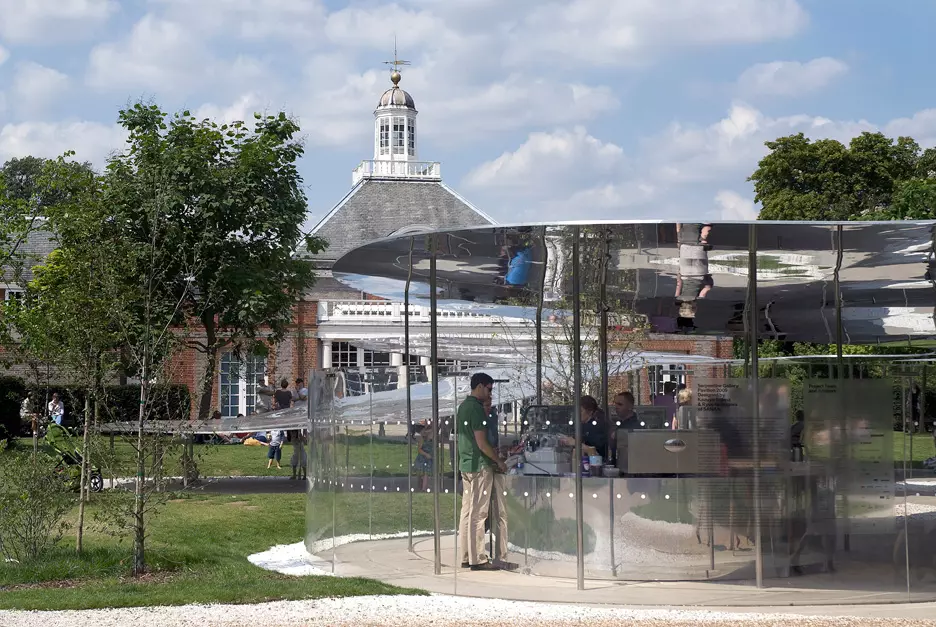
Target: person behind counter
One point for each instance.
(595, 430)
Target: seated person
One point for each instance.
(595, 429)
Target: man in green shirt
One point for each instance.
(477, 462)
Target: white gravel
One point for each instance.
(390, 611)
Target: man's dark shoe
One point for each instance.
(484, 566)
(466, 565)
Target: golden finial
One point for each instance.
(397, 63)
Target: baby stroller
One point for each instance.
(62, 442)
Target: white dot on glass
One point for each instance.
(549, 495)
(643, 496)
(428, 490)
(666, 497)
(570, 422)
(412, 489)
(594, 496)
(619, 496)
(571, 495)
(665, 424)
(385, 488)
(362, 486)
(619, 423)
(398, 489)
(524, 494)
(446, 490)
(526, 422)
(594, 422)
(484, 423)
(466, 423)
(643, 424)
(505, 493)
(547, 423)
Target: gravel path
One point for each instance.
(387, 611)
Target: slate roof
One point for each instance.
(377, 208)
(33, 252)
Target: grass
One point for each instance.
(357, 453)
(197, 552)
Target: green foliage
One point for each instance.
(873, 177)
(34, 501)
(235, 204)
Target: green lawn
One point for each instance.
(357, 454)
(197, 550)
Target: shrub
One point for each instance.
(34, 501)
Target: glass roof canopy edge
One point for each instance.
(885, 277)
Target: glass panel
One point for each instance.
(399, 131)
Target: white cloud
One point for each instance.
(597, 32)
(733, 206)
(251, 20)
(169, 58)
(4, 55)
(547, 161)
(91, 141)
(36, 86)
(52, 20)
(921, 126)
(789, 78)
(241, 110)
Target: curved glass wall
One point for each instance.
(778, 375)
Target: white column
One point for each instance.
(396, 360)
(424, 363)
(326, 354)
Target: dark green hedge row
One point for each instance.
(120, 403)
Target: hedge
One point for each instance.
(120, 403)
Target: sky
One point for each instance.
(538, 110)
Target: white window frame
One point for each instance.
(398, 135)
(411, 137)
(383, 135)
(237, 390)
(13, 293)
(345, 355)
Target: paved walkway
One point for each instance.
(869, 594)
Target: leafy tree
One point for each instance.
(234, 197)
(873, 177)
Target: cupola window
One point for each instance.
(411, 138)
(399, 130)
(384, 136)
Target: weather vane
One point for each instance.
(397, 63)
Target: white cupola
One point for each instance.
(395, 124)
(395, 153)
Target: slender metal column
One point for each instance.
(904, 383)
(409, 401)
(603, 366)
(840, 372)
(539, 320)
(577, 411)
(755, 393)
(436, 431)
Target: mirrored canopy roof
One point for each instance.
(677, 277)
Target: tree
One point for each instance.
(236, 198)
(873, 177)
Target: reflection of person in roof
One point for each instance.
(518, 270)
(694, 281)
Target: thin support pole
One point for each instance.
(577, 411)
(840, 368)
(409, 401)
(906, 530)
(539, 319)
(603, 368)
(434, 367)
(755, 401)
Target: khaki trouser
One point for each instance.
(498, 515)
(476, 501)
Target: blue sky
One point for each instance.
(537, 110)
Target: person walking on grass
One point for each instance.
(477, 461)
(275, 452)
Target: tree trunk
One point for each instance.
(139, 528)
(83, 486)
(211, 354)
